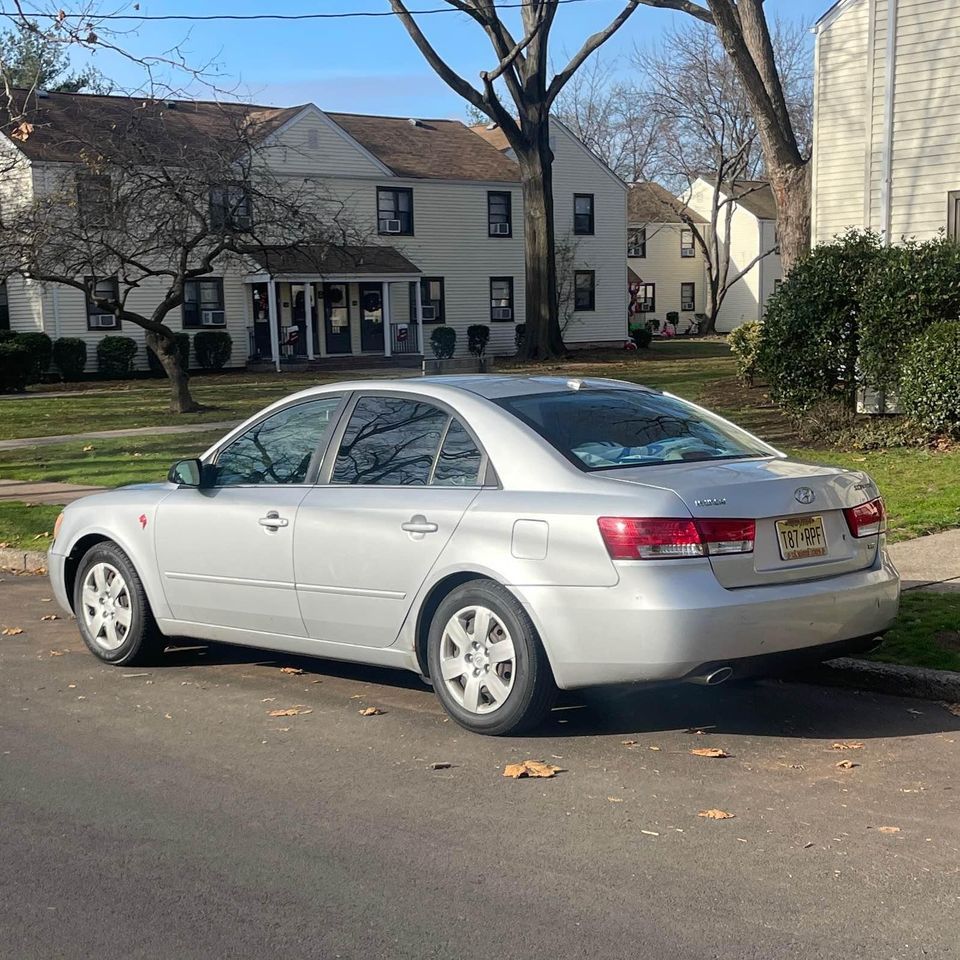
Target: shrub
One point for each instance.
(15, 360)
(520, 337)
(183, 349)
(641, 335)
(70, 356)
(41, 352)
(212, 348)
(809, 339)
(443, 341)
(744, 344)
(115, 356)
(930, 379)
(478, 335)
(6, 335)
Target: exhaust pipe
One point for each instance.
(714, 677)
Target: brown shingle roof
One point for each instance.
(334, 261)
(493, 134)
(650, 203)
(428, 149)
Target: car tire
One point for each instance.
(486, 662)
(112, 609)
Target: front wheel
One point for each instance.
(486, 661)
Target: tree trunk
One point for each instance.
(711, 311)
(544, 340)
(791, 187)
(164, 345)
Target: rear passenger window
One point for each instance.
(459, 462)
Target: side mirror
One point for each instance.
(186, 473)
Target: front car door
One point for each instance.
(391, 494)
(225, 551)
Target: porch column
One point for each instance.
(308, 317)
(385, 314)
(274, 322)
(418, 301)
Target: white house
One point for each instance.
(886, 135)
(441, 205)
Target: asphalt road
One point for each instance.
(164, 814)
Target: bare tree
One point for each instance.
(152, 197)
(522, 67)
(742, 28)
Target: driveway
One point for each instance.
(162, 813)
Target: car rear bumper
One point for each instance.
(672, 620)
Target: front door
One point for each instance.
(366, 540)
(225, 552)
(336, 318)
(371, 317)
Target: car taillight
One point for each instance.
(867, 519)
(655, 538)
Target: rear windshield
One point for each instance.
(606, 429)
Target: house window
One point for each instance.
(501, 298)
(100, 318)
(4, 307)
(499, 214)
(647, 298)
(230, 207)
(395, 210)
(688, 296)
(431, 299)
(953, 215)
(687, 248)
(93, 197)
(203, 303)
(637, 243)
(584, 290)
(583, 214)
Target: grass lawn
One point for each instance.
(926, 634)
(26, 526)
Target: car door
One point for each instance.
(225, 551)
(392, 492)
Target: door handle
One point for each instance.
(419, 524)
(273, 521)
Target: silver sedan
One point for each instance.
(503, 537)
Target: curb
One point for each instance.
(920, 682)
(23, 561)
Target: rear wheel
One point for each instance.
(112, 610)
(486, 661)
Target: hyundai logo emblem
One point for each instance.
(804, 495)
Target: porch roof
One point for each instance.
(375, 260)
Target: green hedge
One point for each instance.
(930, 379)
(212, 348)
(70, 356)
(115, 356)
(478, 336)
(15, 362)
(443, 341)
(183, 349)
(41, 353)
(744, 344)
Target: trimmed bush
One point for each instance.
(115, 356)
(478, 336)
(15, 361)
(744, 344)
(6, 335)
(183, 348)
(520, 337)
(930, 379)
(443, 341)
(70, 356)
(212, 348)
(41, 352)
(641, 335)
(809, 339)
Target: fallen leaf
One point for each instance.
(42, 599)
(56, 653)
(11, 631)
(531, 768)
(71, 686)
(268, 699)
(49, 616)
(615, 799)
(440, 765)
(808, 845)
(846, 746)
(715, 752)
(953, 708)
(87, 448)
(699, 731)
(716, 815)
(296, 671)
(372, 712)
(167, 716)
(650, 833)
(888, 829)
(357, 696)
(847, 764)
(289, 712)
(653, 748)
(629, 743)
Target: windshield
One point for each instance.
(609, 428)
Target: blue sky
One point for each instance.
(367, 65)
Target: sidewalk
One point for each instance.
(29, 491)
(929, 563)
(22, 443)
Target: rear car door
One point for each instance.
(225, 551)
(394, 488)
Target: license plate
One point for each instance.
(801, 538)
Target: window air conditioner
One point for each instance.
(429, 313)
(687, 305)
(501, 313)
(212, 318)
(389, 226)
(500, 229)
(104, 320)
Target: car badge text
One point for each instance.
(714, 502)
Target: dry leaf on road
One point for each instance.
(615, 799)
(847, 764)
(954, 708)
(715, 752)
(650, 833)
(629, 743)
(49, 616)
(440, 765)
(653, 748)
(294, 670)
(846, 746)
(56, 653)
(290, 712)
(372, 712)
(11, 631)
(531, 768)
(716, 814)
(888, 829)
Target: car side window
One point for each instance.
(278, 450)
(459, 462)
